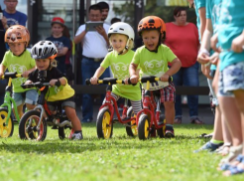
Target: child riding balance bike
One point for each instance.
(121, 37)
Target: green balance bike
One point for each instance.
(7, 117)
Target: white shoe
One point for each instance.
(77, 136)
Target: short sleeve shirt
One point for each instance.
(18, 64)
(54, 93)
(17, 18)
(119, 65)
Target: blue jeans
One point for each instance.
(187, 77)
(88, 68)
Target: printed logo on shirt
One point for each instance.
(225, 15)
(11, 22)
(58, 44)
(153, 67)
(120, 70)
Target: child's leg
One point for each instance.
(20, 110)
(169, 112)
(136, 105)
(72, 116)
(31, 97)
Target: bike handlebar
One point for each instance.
(38, 84)
(11, 75)
(109, 81)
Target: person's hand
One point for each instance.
(206, 71)
(25, 74)
(164, 78)
(126, 80)
(27, 82)
(213, 42)
(238, 43)
(53, 82)
(214, 59)
(134, 79)
(4, 22)
(93, 80)
(101, 30)
(203, 57)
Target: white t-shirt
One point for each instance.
(93, 44)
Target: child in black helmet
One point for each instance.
(44, 53)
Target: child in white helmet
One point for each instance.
(121, 38)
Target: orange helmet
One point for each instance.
(152, 23)
(17, 34)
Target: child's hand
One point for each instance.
(206, 70)
(93, 80)
(214, 59)
(126, 80)
(134, 79)
(25, 74)
(28, 82)
(238, 43)
(203, 57)
(164, 78)
(53, 82)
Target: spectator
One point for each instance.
(182, 38)
(105, 9)
(115, 20)
(62, 43)
(95, 45)
(11, 15)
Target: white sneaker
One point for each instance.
(77, 136)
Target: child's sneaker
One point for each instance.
(77, 136)
(169, 131)
(209, 146)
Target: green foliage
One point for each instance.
(119, 158)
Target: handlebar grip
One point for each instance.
(129, 82)
(26, 86)
(88, 82)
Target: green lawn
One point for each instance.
(120, 158)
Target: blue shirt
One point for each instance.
(60, 43)
(213, 12)
(231, 26)
(16, 18)
(199, 4)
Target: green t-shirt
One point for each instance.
(18, 64)
(152, 63)
(119, 65)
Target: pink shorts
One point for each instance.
(167, 94)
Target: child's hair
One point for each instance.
(17, 34)
(130, 43)
(45, 50)
(124, 29)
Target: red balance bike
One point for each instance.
(105, 116)
(149, 119)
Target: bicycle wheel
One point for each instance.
(104, 130)
(131, 129)
(65, 132)
(28, 126)
(143, 127)
(6, 130)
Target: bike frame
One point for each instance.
(149, 108)
(111, 103)
(8, 101)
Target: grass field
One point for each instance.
(120, 158)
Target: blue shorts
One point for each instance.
(28, 97)
(231, 79)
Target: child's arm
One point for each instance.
(62, 81)
(62, 52)
(2, 70)
(97, 74)
(238, 43)
(134, 77)
(175, 67)
(26, 73)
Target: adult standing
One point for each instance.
(95, 47)
(12, 16)
(105, 9)
(182, 38)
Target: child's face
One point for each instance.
(17, 48)
(118, 42)
(150, 39)
(42, 64)
(57, 29)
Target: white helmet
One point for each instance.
(122, 28)
(44, 49)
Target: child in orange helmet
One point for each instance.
(19, 60)
(153, 59)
